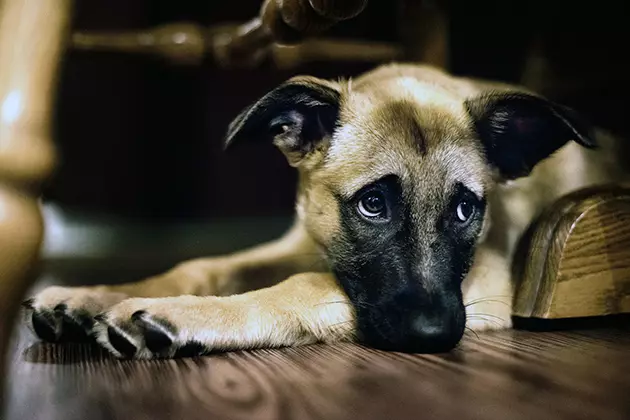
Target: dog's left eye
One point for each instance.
(464, 211)
(372, 205)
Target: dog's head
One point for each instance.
(395, 168)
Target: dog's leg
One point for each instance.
(306, 308)
(488, 291)
(59, 313)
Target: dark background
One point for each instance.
(141, 138)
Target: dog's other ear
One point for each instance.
(518, 130)
(296, 116)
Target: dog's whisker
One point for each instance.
(493, 298)
(493, 321)
(346, 302)
(487, 315)
(468, 329)
(340, 323)
(471, 305)
(334, 302)
(473, 318)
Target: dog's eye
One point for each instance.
(464, 211)
(372, 205)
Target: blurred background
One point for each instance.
(142, 172)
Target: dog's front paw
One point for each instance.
(158, 328)
(59, 314)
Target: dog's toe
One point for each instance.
(45, 325)
(60, 324)
(144, 329)
(62, 314)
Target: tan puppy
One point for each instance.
(414, 188)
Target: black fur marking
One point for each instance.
(404, 299)
(191, 349)
(461, 239)
(28, 303)
(45, 326)
(120, 343)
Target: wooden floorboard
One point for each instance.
(577, 374)
(507, 375)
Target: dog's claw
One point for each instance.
(191, 349)
(72, 329)
(138, 315)
(156, 338)
(45, 326)
(120, 343)
(61, 308)
(141, 328)
(66, 314)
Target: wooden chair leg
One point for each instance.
(576, 261)
(32, 33)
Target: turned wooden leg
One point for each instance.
(31, 36)
(576, 261)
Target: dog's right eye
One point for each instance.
(372, 205)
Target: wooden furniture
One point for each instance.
(578, 260)
(284, 31)
(189, 44)
(32, 33)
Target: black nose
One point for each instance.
(434, 334)
(417, 334)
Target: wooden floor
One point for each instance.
(578, 374)
(508, 375)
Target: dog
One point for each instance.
(414, 189)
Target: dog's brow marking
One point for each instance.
(400, 118)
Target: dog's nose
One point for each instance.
(413, 334)
(432, 334)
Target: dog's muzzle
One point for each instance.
(421, 328)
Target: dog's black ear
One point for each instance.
(296, 116)
(518, 130)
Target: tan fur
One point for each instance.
(427, 149)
